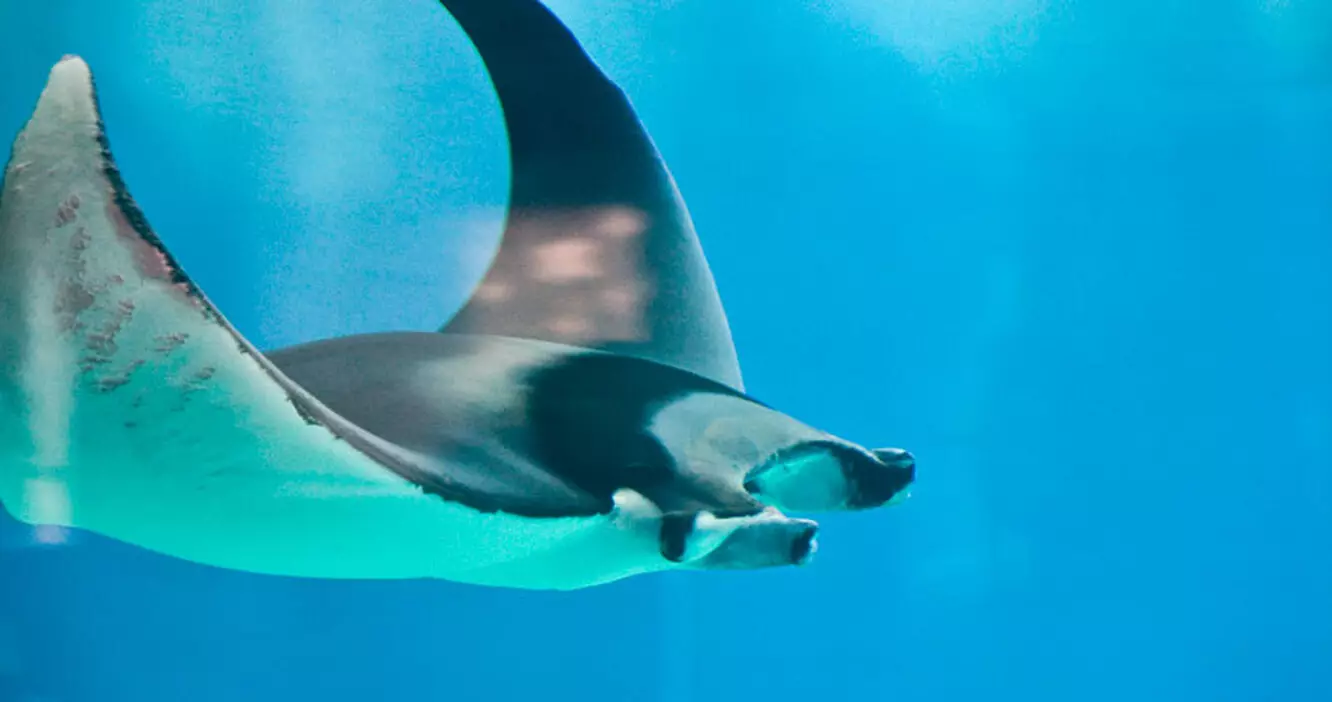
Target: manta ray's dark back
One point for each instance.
(598, 249)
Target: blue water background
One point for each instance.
(1075, 255)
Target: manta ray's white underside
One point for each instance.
(129, 407)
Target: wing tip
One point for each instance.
(71, 62)
(69, 92)
(67, 106)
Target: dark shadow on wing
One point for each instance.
(598, 250)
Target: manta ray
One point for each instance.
(581, 419)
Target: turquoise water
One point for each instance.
(1073, 255)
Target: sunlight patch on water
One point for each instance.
(1299, 29)
(320, 81)
(381, 148)
(943, 35)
